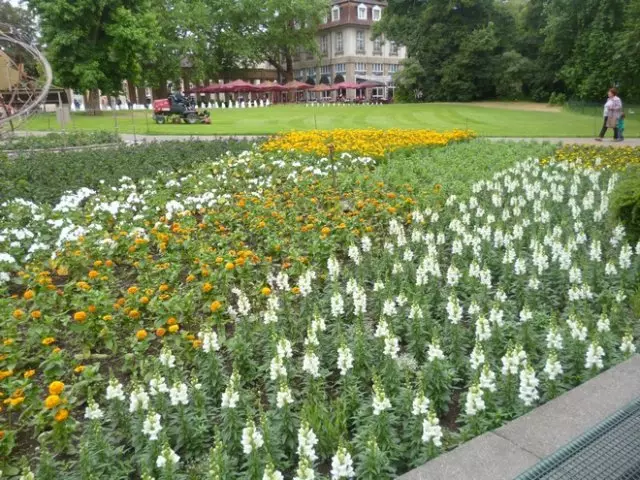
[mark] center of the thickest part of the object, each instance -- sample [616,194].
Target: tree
[18,23]
[96,45]
[281,27]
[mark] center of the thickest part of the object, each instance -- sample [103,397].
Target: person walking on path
[612,112]
[621,127]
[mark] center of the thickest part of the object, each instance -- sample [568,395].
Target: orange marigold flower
[109,263]
[134,314]
[172,321]
[196,343]
[107,318]
[52,401]
[265,291]
[36,314]
[207,287]
[56,387]
[132,290]
[5,373]
[94,274]
[164,287]
[174,328]
[190,278]
[141,334]
[18,314]
[29,373]
[144,300]
[79,369]
[80,316]
[97,263]
[92,309]
[215,306]
[48,341]
[14,402]
[160,332]
[229,266]
[57,350]
[295,290]
[62,415]
[28,295]
[219,260]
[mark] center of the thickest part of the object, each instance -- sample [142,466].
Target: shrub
[625,202]
[61,140]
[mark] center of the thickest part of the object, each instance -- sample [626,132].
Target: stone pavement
[515,447]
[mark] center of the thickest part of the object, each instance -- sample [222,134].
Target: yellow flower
[48,341]
[29,373]
[36,314]
[62,415]
[18,314]
[141,334]
[94,274]
[28,295]
[79,369]
[132,290]
[229,266]
[266,291]
[56,387]
[207,287]
[174,328]
[160,332]
[80,316]
[52,401]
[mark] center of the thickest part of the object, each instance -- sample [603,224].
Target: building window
[360,41]
[376,13]
[339,44]
[393,48]
[325,70]
[393,68]
[361,68]
[324,44]
[377,46]
[340,68]
[335,14]
[362,12]
[378,68]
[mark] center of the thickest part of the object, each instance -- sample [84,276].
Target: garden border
[512,449]
[96,146]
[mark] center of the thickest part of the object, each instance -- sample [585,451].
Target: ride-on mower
[176,108]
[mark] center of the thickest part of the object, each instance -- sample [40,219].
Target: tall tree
[95,45]
[18,22]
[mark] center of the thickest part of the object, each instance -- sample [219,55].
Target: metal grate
[610,451]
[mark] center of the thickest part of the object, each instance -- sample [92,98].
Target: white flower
[496,317]
[578,330]
[483,329]
[610,269]
[334,269]
[167,456]
[342,465]
[525,315]
[354,254]
[603,324]
[553,367]
[366,244]
[167,359]
[277,368]
[269,316]
[435,352]
[311,364]
[625,256]
[284,397]
[157,385]
[345,360]
[304,471]
[528,386]
[138,400]
[453,276]
[337,305]
[477,356]
[431,430]
[380,400]
[594,357]
[511,362]
[151,426]
[382,330]
[378,286]
[420,405]
[115,391]
[231,397]
[307,441]
[389,308]
[554,338]
[209,340]
[27,475]
[474,402]
[179,394]
[271,473]
[244,306]
[305,282]
[93,412]
[627,345]
[284,348]
[251,438]
[391,347]
[454,310]
[487,379]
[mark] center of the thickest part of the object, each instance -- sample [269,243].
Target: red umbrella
[214,88]
[345,85]
[270,87]
[370,85]
[238,86]
[321,88]
[296,85]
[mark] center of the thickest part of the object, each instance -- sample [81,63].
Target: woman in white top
[612,112]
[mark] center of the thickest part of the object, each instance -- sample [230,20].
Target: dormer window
[335,14]
[362,12]
[376,13]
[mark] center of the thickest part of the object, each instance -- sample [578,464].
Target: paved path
[130,138]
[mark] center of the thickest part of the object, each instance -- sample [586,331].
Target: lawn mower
[177,108]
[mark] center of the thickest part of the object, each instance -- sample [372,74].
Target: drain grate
[610,451]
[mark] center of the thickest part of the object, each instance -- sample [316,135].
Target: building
[347,50]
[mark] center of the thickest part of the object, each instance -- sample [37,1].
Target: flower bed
[253,315]
[60,140]
[366,142]
[598,157]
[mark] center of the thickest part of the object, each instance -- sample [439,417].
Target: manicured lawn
[485,120]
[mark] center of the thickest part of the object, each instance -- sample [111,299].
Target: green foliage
[44,177]
[625,203]
[61,140]
[96,45]
[557,98]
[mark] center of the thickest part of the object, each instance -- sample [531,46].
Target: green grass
[485,120]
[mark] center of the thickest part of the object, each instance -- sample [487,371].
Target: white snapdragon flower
[311,364]
[167,457]
[334,269]
[337,305]
[420,405]
[454,310]
[487,379]
[525,315]
[603,325]
[157,385]
[391,346]
[434,351]
[431,430]
[553,367]
[453,275]
[578,330]
[93,411]
[477,358]
[209,340]
[594,356]
[138,400]
[307,442]
[231,397]
[554,338]
[366,244]
[528,386]
[284,348]
[496,317]
[284,396]
[166,358]
[151,426]
[304,470]
[115,391]
[345,360]
[252,439]
[354,254]
[389,308]
[627,347]
[382,330]
[610,269]
[270,473]
[342,465]
[380,400]
[277,368]
[474,401]
[483,329]
[179,394]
